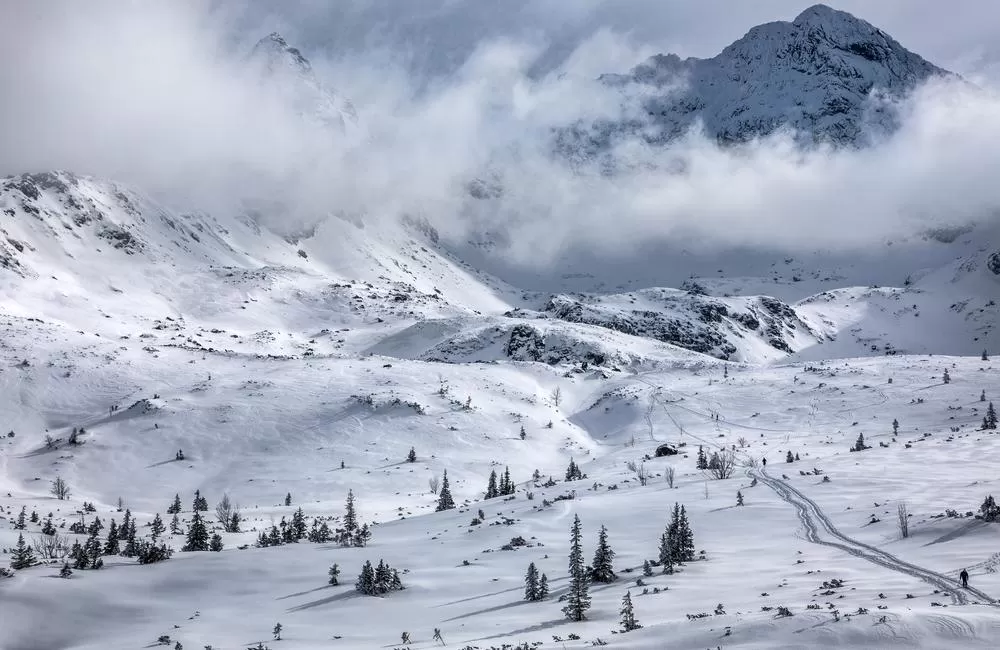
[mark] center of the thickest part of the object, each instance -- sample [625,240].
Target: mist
[161,96]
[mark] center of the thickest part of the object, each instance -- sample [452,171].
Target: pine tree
[602,569]
[982,396]
[531,583]
[22,556]
[990,422]
[946,377]
[156,527]
[647,568]
[685,538]
[366,581]
[859,445]
[127,522]
[288,497]
[276,632]
[65,571]
[215,544]
[234,523]
[111,546]
[507,485]
[78,556]
[739,498]
[523,433]
[895,426]
[796,458]
[20,523]
[48,528]
[175,507]
[789,458]
[350,515]
[578,598]
[298,525]
[543,587]
[197,537]
[986,357]
[412,456]
[573,472]
[666,552]
[702,462]
[200,503]
[131,543]
[95,527]
[445,502]
[629,622]
[175,525]
[491,485]
[334,574]
[92,549]
[34,517]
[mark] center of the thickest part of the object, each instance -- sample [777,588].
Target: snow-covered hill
[827,76]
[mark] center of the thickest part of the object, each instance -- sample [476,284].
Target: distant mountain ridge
[821,76]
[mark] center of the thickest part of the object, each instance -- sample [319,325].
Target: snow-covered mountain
[287,72]
[827,76]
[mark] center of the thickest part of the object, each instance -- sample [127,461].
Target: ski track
[819,529]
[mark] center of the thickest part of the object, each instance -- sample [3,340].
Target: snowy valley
[825,419]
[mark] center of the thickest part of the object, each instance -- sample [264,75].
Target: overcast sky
[160,95]
[961,35]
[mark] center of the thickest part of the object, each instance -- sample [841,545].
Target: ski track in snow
[819,529]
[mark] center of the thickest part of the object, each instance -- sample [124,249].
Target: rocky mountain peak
[814,76]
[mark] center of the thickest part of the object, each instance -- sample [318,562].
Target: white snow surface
[269,368]
[311,365]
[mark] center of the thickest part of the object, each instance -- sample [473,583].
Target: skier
[437,635]
[964,576]
[764,461]
[406,637]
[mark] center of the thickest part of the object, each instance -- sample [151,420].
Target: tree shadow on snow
[325,601]
[961,531]
[308,591]
[547,625]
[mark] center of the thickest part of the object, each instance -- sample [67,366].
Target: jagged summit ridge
[816,75]
[289,73]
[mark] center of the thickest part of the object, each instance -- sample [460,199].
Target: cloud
[161,96]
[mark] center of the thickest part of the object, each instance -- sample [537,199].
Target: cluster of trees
[350,534]
[505,487]
[720,465]
[573,472]
[536,586]
[378,580]
[989,510]
[859,444]
[677,541]
[790,457]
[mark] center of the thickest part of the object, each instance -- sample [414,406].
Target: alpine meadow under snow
[536,352]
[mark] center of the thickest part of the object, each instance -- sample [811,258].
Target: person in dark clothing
[764,461]
[964,576]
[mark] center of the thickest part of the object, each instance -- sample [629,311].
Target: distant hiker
[179,455]
[406,637]
[437,635]
[964,576]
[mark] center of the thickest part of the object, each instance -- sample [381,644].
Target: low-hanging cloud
[160,95]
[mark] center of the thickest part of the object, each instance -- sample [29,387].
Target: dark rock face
[993,263]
